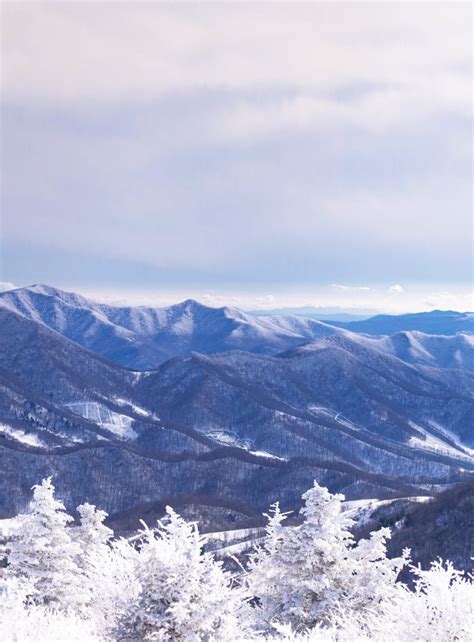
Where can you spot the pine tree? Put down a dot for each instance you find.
(302, 575)
(184, 593)
(440, 608)
(96, 563)
(43, 552)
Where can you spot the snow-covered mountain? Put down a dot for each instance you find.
(414, 347)
(142, 338)
(444, 322)
(231, 430)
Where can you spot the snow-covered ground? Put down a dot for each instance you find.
(228, 438)
(30, 439)
(332, 414)
(361, 510)
(449, 435)
(138, 410)
(120, 425)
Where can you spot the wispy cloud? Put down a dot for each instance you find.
(153, 49)
(344, 288)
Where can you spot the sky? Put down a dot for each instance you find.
(253, 154)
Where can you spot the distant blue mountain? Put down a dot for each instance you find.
(444, 322)
(318, 313)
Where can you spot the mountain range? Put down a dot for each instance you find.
(127, 407)
(142, 338)
(444, 322)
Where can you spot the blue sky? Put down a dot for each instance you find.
(282, 153)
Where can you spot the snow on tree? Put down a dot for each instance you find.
(184, 593)
(97, 563)
(23, 621)
(92, 534)
(374, 575)
(439, 609)
(43, 552)
(312, 583)
(303, 575)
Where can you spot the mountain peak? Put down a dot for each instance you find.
(188, 305)
(42, 288)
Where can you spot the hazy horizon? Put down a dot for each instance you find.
(336, 298)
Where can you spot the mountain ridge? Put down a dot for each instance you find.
(142, 338)
(243, 426)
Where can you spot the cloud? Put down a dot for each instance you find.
(4, 286)
(450, 301)
(152, 49)
(396, 289)
(215, 145)
(419, 297)
(338, 286)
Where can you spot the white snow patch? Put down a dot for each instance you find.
(361, 510)
(229, 438)
(138, 410)
(7, 526)
(119, 425)
(30, 439)
(437, 443)
(263, 453)
(332, 414)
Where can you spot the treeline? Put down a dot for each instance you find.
(307, 582)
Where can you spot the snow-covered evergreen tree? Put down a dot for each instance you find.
(92, 533)
(43, 552)
(97, 564)
(302, 575)
(184, 593)
(313, 583)
(440, 609)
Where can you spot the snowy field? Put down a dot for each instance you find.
(120, 425)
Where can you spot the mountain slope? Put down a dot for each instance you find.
(373, 409)
(412, 347)
(65, 411)
(443, 527)
(444, 322)
(234, 428)
(142, 338)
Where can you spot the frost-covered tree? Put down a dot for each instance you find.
(184, 593)
(303, 575)
(313, 583)
(43, 553)
(24, 621)
(92, 534)
(439, 609)
(97, 563)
